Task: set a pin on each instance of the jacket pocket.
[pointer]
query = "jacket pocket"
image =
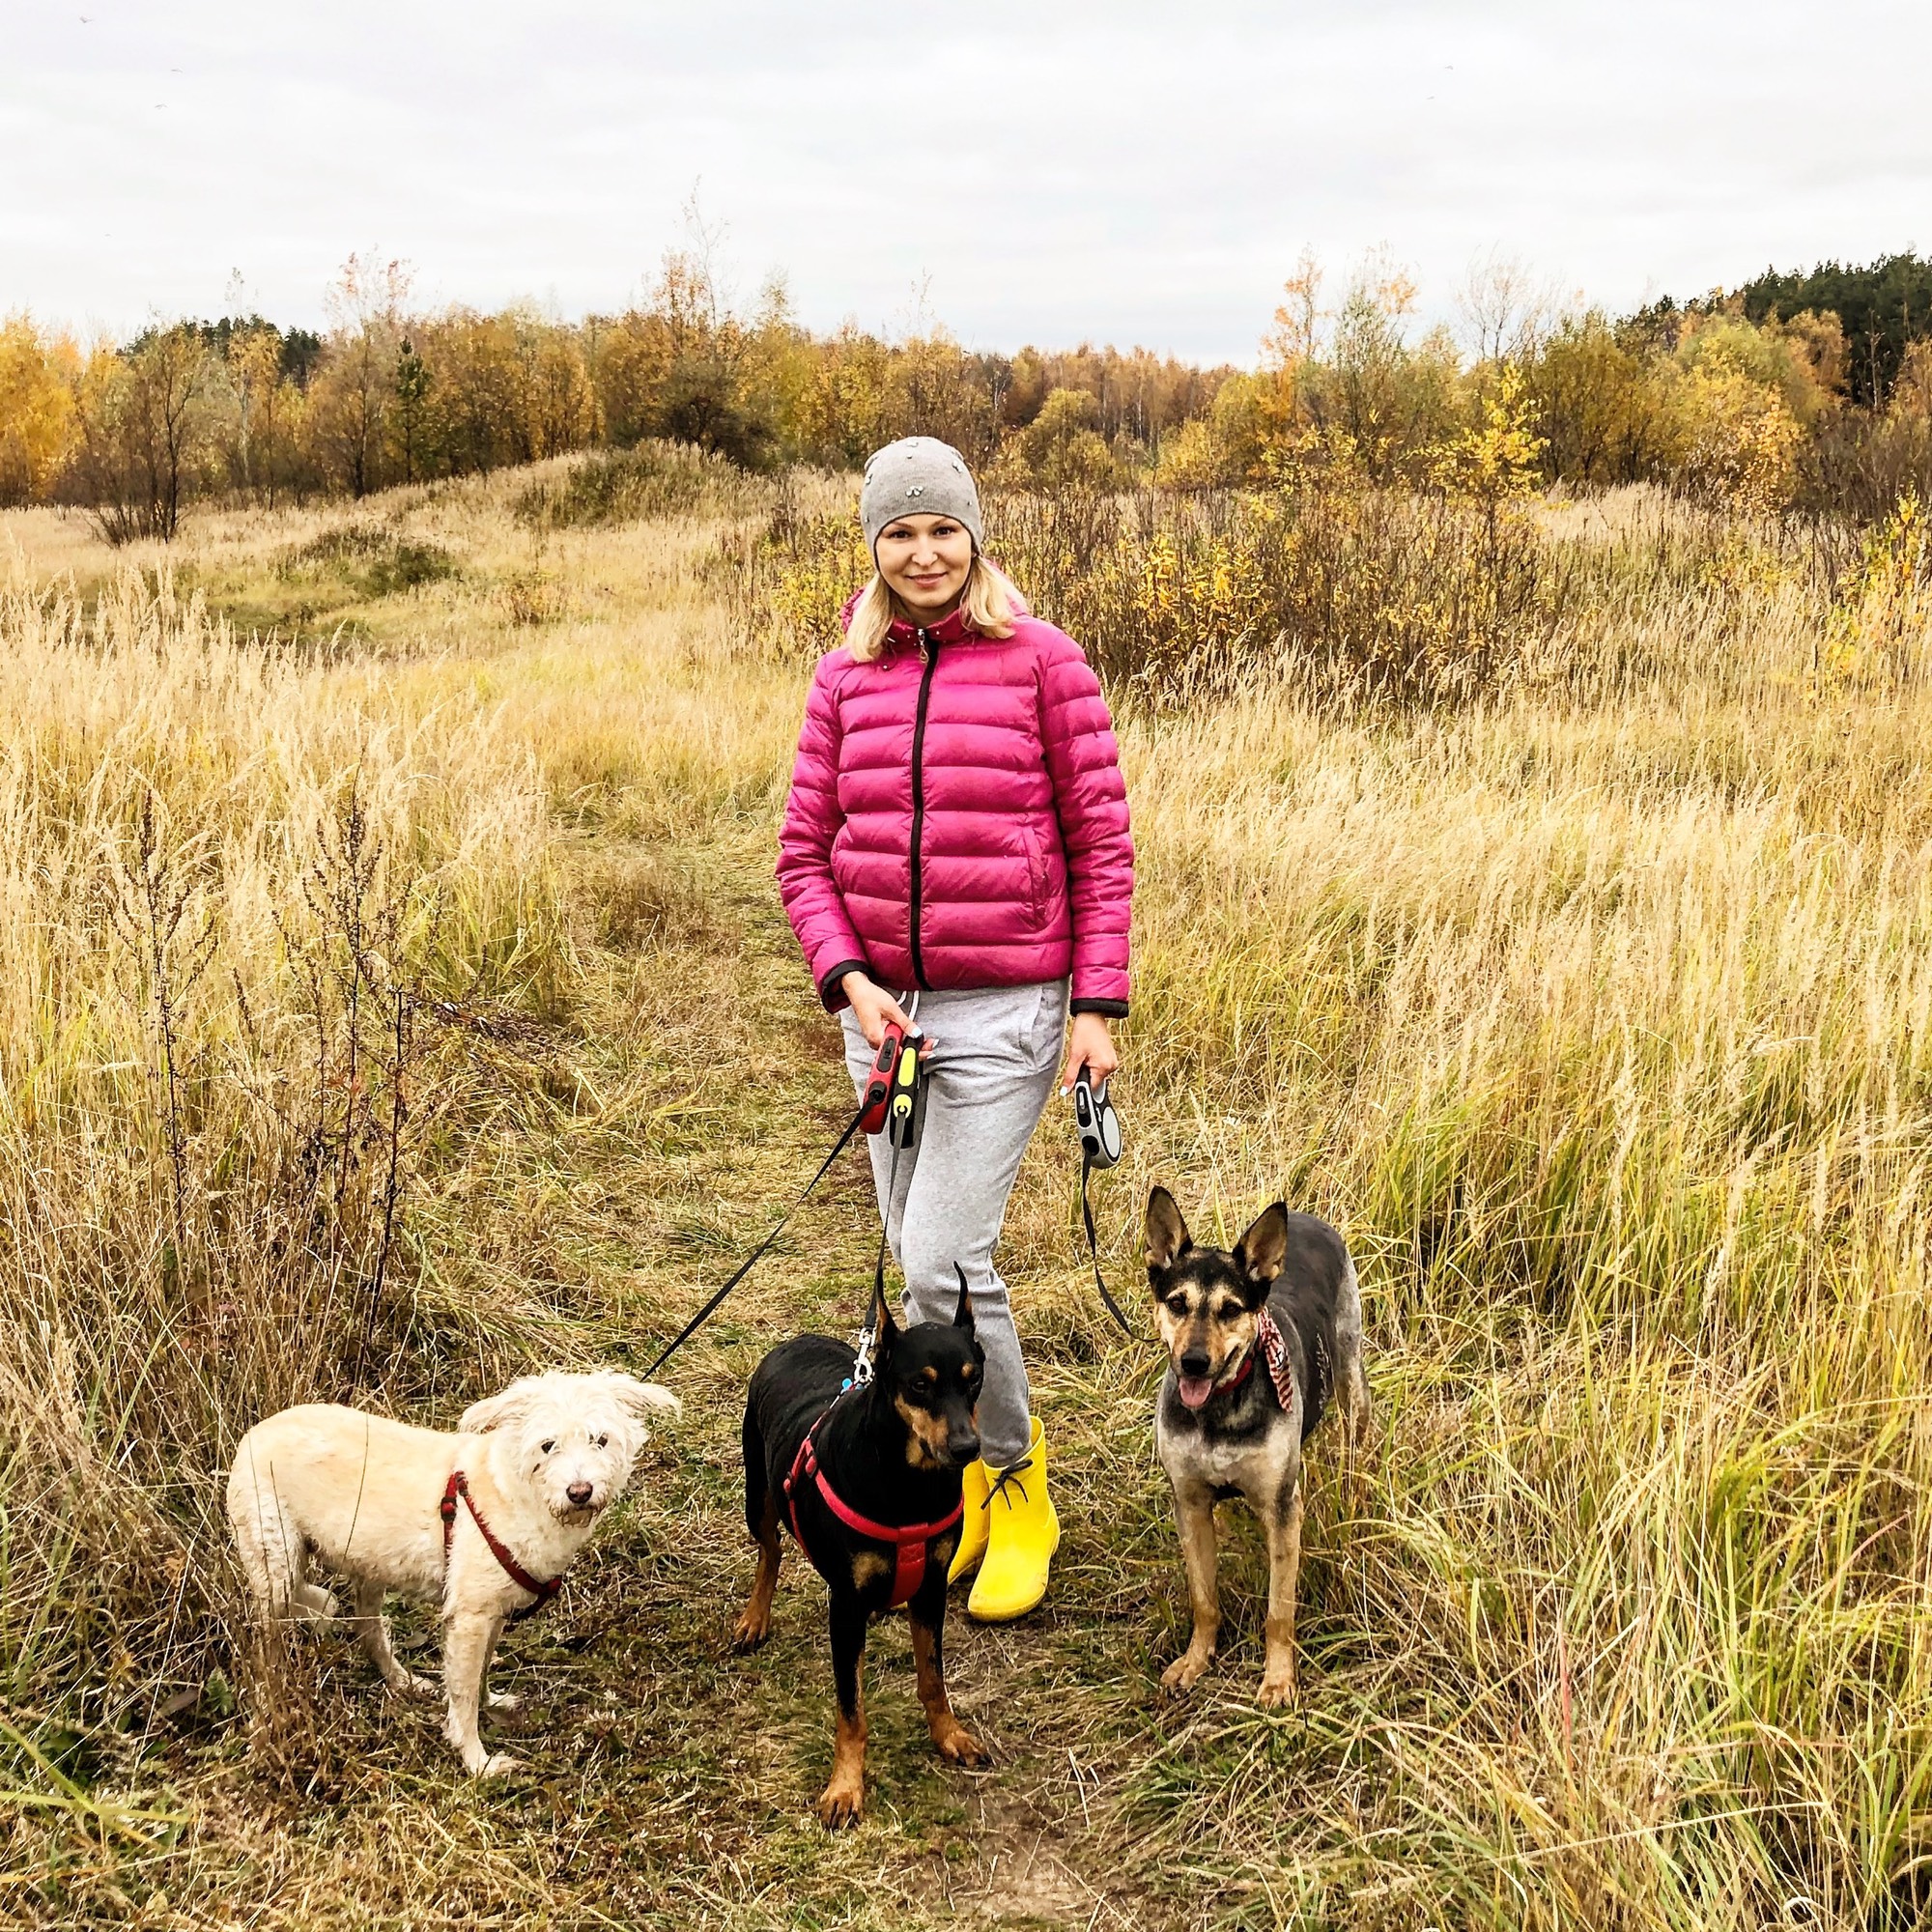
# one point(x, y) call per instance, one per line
point(1035, 864)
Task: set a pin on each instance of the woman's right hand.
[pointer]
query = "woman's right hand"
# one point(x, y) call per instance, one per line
point(872, 1006)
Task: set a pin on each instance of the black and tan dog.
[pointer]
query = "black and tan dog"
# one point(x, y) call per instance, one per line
point(1257, 1341)
point(870, 1482)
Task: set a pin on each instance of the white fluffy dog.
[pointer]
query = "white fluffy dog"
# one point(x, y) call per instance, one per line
point(484, 1522)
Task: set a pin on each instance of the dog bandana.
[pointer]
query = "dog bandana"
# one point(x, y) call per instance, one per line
point(1273, 1345)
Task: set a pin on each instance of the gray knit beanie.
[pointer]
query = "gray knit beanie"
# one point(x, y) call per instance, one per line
point(918, 475)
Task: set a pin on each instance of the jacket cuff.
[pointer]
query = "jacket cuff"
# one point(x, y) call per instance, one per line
point(831, 992)
point(1113, 1010)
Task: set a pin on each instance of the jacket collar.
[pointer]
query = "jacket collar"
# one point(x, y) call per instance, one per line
point(956, 629)
point(952, 630)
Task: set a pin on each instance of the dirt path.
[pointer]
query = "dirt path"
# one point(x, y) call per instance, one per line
point(667, 1781)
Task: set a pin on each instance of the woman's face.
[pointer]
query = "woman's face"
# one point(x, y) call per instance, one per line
point(926, 560)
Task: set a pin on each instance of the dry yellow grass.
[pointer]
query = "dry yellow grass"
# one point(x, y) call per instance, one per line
point(1599, 1022)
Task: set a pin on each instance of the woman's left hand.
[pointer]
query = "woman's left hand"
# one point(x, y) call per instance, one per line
point(1089, 1043)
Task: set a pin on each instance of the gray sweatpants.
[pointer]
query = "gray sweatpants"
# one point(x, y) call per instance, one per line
point(988, 1074)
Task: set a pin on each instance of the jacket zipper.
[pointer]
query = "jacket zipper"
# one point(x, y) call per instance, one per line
point(928, 656)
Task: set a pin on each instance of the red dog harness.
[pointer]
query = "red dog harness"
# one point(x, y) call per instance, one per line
point(458, 1486)
point(910, 1540)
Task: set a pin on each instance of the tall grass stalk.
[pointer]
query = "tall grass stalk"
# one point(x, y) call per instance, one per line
point(216, 876)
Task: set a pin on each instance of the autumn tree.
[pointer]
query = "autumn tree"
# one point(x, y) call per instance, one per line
point(1062, 448)
point(411, 384)
point(1601, 406)
point(38, 375)
point(471, 406)
point(145, 418)
point(353, 393)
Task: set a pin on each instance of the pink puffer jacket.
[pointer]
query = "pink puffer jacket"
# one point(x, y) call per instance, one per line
point(957, 818)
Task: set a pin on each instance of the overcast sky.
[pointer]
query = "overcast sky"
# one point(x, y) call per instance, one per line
point(1128, 172)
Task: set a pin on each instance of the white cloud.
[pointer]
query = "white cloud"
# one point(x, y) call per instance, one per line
point(1125, 171)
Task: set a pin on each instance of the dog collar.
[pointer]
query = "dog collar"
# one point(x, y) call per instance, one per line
point(1239, 1375)
point(458, 1486)
point(1272, 1345)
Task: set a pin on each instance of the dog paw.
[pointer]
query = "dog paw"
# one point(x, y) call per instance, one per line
point(314, 1605)
point(1278, 1693)
point(840, 1804)
point(959, 1745)
point(499, 1764)
point(750, 1631)
point(1185, 1672)
point(410, 1685)
point(504, 1703)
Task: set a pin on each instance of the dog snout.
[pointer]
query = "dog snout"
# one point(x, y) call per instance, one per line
point(580, 1494)
point(963, 1446)
point(1195, 1362)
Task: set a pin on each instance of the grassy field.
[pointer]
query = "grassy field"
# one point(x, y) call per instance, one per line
point(406, 1002)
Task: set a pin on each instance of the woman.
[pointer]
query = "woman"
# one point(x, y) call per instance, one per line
point(957, 829)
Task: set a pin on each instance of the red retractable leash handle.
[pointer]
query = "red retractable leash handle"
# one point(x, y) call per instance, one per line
point(877, 1097)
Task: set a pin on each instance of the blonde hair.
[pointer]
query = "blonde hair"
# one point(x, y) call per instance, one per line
point(987, 602)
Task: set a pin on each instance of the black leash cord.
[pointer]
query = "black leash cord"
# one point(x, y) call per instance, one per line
point(1093, 1250)
point(756, 1255)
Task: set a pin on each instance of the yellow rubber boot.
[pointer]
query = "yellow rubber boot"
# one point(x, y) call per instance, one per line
point(1023, 1532)
point(973, 1525)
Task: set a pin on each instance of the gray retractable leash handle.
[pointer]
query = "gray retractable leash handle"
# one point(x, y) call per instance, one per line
point(1101, 1142)
point(1096, 1123)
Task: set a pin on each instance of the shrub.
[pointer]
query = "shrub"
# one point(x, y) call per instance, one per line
point(1743, 442)
point(1375, 594)
point(628, 486)
point(375, 561)
point(1392, 596)
point(1881, 622)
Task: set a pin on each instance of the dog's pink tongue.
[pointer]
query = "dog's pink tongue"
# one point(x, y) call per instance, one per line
point(1195, 1390)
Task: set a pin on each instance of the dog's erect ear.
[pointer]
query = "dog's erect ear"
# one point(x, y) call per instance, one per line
point(1166, 1232)
point(885, 1330)
point(495, 1411)
point(644, 1399)
point(963, 1316)
point(1261, 1250)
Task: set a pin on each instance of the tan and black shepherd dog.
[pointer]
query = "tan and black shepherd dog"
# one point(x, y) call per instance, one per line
point(1257, 1342)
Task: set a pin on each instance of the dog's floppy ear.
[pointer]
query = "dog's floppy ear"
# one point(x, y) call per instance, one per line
point(963, 1316)
point(511, 1404)
point(1260, 1252)
point(1166, 1232)
point(642, 1399)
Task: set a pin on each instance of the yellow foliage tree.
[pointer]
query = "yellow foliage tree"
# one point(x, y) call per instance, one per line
point(1060, 450)
point(38, 375)
point(1742, 439)
point(1500, 459)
